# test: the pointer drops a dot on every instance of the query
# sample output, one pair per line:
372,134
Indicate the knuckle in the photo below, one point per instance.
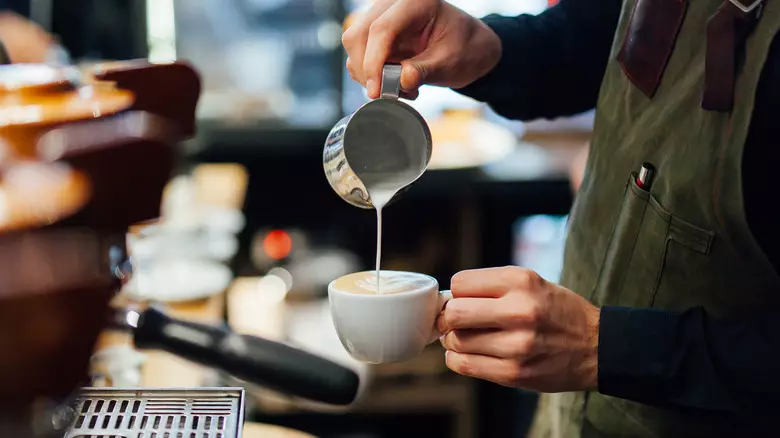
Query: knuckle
347,37
516,374
454,342
378,27
529,313
352,34
525,313
462,365
421,72
524,345
528,278
534,313
521,278
453,315
351,70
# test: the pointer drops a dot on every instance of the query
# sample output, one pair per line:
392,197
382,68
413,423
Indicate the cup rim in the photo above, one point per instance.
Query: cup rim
435,285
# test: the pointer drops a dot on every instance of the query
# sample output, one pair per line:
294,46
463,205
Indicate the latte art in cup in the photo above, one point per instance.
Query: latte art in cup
389,320
390,282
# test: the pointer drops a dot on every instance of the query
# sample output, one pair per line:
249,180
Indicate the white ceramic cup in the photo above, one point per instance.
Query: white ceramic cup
382,328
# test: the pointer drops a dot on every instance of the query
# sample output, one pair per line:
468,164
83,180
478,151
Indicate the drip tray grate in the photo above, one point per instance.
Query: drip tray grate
158,413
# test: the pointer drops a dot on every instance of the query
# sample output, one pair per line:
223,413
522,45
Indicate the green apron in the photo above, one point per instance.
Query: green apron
683,243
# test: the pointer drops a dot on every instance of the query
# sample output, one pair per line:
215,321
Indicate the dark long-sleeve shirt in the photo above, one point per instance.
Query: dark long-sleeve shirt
552,66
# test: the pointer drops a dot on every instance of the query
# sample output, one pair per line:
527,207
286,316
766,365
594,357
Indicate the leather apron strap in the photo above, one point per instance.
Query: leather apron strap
727,31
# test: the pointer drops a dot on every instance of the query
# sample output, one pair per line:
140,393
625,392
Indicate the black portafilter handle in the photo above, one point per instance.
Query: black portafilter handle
276,366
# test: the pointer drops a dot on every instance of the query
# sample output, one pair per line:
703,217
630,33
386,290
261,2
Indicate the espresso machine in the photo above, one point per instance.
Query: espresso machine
85,154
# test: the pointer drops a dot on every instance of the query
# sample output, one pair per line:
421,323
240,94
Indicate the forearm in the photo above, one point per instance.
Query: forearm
552,64
689,360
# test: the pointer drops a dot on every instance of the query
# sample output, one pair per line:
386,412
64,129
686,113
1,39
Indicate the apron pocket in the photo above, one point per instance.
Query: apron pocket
685,252
661,234
636,257
621,245
649,41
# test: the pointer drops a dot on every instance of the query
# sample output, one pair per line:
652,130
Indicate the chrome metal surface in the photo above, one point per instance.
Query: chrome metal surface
391,81
386,137
646,174
124,319
158,413
121,264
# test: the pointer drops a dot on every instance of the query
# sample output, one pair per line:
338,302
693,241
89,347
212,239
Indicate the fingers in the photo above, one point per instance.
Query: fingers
410,95
382,42
411,75
381,37
494,343
494,282
426,67
351,70
502,371
470,313
355,39
412,85
373,41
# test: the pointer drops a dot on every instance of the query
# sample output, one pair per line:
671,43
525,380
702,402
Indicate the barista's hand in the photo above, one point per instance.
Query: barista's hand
509,326
435,42
25,41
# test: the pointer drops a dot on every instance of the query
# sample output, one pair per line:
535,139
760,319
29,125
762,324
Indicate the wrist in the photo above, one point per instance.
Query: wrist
590,368
489,45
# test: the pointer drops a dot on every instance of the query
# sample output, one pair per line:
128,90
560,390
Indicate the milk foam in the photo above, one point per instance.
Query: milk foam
390,282
380,197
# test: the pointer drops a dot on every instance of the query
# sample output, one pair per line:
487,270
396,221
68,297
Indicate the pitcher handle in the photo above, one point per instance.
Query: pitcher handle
391,81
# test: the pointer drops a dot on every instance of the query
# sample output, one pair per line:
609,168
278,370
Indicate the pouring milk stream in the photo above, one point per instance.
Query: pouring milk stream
374,154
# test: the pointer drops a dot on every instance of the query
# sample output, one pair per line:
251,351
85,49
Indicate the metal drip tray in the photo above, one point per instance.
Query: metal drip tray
158,413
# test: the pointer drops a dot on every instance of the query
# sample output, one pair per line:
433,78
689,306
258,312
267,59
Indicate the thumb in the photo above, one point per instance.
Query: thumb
413,74
421,69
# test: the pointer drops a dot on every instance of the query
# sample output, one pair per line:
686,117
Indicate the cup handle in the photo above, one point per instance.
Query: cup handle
444,296
391,81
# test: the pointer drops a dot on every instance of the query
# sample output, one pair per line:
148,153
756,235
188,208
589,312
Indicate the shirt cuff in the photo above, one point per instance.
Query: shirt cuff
635,348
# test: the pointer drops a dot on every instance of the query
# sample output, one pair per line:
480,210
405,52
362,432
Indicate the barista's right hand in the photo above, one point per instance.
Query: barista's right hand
435,42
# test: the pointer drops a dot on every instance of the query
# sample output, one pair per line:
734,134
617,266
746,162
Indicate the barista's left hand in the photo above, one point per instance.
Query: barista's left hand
510,326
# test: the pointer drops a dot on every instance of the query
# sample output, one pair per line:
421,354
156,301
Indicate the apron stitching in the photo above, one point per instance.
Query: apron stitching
609,244
659,275
720,223
631,253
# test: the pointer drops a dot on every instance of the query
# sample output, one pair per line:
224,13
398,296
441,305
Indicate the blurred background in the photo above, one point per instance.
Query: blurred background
252,233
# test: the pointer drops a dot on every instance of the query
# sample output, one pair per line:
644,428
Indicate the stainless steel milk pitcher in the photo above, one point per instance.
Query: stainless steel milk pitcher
385,142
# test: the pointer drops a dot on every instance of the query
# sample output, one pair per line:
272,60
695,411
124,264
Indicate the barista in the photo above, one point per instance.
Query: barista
662,324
